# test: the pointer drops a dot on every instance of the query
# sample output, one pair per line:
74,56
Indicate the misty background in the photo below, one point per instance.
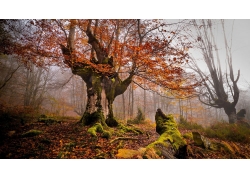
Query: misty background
57,92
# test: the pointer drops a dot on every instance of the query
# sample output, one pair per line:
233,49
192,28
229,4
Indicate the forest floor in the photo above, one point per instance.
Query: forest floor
70,140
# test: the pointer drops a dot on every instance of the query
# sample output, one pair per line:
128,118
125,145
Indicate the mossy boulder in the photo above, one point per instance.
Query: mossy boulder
200,140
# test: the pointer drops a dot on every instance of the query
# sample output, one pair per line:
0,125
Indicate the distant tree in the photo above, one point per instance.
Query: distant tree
220,90
8,67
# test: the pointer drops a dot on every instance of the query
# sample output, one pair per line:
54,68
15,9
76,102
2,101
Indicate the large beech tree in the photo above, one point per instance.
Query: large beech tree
99,51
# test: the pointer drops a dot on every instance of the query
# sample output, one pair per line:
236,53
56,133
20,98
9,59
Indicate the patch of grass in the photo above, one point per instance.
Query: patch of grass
190,125
229,132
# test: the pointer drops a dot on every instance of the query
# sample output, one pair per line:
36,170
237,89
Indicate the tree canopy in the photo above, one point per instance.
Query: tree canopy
150,50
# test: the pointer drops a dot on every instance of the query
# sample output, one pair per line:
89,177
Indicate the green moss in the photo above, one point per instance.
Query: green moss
201,141
105,61
106,134
173,136
129,129
166,123
228,132
31,133
95,117
97,127
170,137
48,120
83,72
188,135
111,121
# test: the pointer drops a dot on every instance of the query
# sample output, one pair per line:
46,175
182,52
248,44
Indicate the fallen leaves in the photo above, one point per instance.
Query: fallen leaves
70,140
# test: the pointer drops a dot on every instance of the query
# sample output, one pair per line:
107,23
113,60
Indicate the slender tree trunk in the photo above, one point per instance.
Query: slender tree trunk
145,102
123,106
190,106
132,102
129,103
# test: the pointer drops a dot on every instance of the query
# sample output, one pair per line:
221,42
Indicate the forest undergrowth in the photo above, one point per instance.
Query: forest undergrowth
68,139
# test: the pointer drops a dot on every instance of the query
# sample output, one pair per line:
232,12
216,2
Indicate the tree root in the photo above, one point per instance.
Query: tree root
97,127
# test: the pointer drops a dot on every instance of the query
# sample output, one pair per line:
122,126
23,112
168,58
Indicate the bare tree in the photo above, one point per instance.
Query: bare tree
8,67
220,89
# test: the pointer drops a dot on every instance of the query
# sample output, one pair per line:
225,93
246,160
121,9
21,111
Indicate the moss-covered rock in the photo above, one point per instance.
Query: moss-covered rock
200,140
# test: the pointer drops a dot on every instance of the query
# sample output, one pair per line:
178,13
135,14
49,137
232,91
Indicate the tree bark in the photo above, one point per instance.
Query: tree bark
230,110
101,92
102,81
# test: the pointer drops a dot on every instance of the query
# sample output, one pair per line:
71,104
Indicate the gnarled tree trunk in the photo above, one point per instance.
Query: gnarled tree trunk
103,82
215,92
101,92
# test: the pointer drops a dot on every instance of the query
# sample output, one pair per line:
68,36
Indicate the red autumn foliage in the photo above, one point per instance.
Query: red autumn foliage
145,48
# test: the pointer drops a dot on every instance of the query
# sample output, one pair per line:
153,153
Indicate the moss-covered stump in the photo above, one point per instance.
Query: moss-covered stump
170,144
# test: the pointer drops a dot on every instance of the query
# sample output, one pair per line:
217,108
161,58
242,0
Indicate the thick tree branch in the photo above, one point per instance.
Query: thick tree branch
100,51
